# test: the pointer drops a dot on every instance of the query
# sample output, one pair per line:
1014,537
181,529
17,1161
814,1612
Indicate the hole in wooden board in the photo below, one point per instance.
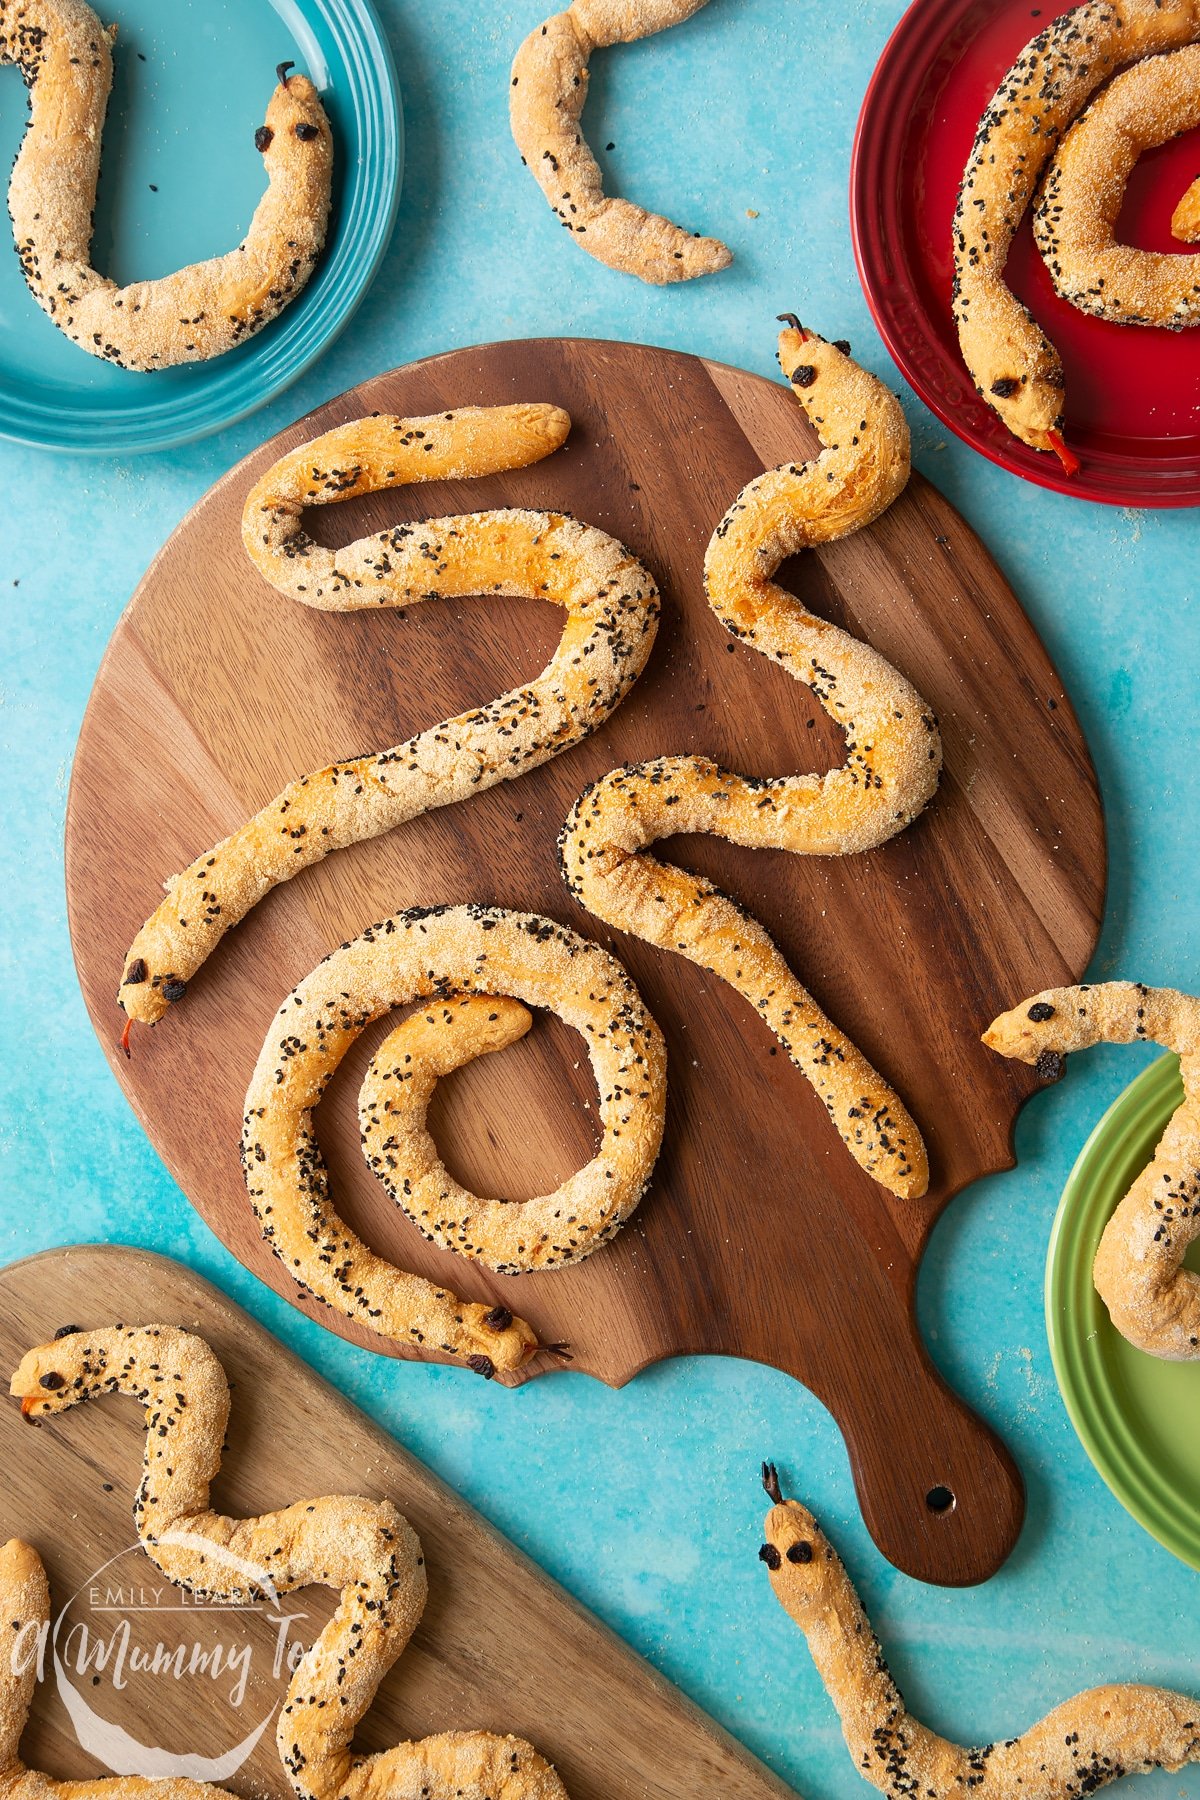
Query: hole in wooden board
941,1499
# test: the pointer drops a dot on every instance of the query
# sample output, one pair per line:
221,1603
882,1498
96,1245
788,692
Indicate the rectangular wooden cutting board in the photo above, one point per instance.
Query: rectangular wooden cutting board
501,1647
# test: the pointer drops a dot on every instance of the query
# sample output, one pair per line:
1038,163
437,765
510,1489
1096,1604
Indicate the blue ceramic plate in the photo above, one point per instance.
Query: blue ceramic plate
179,179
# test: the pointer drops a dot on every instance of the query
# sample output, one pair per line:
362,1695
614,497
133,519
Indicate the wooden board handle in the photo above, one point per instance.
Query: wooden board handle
940,1494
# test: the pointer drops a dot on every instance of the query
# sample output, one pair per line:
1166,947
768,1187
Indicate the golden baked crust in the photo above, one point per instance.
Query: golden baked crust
25,1611
1081,1746
364,1548
510,1236
1013,364
438,955
611,606
1185,220
893,755
200,311
547,91
1153,1300
1076,216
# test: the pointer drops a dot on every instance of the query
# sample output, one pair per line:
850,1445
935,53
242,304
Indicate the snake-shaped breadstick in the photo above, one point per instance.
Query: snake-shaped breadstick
1013,364
25,1625
364,1548
1154,1301
1076,216
893,754
437,956
1082,1745
200,311
611,606
549,85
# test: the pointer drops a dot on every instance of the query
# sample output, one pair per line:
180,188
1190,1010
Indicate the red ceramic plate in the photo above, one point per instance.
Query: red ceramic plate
1133,393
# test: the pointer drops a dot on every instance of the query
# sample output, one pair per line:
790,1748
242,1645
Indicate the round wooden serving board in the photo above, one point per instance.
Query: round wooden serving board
759,1237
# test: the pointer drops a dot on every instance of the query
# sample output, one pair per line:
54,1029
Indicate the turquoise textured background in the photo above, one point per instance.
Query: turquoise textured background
645,1502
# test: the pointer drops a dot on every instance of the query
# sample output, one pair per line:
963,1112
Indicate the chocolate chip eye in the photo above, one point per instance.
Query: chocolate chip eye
68,1331
842,344
174,989
1050,1065
804,376
800,1553
135,974
1006,387
770,1555
53,1380
1039,1012
482,1365
306,132
499,1319
263,138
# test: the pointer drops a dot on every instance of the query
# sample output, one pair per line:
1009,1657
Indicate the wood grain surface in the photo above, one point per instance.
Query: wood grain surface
760,1237
500,1647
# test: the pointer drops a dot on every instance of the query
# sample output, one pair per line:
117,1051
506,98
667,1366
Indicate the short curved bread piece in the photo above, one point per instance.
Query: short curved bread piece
547,91
1076,216
364,1548
1152,1299
1012,362
437,956
200,311
1185,220
611,607
893,754
1085,1743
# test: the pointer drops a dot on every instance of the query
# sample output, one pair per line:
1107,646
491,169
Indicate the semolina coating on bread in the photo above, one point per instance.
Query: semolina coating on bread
197,312
364,1549
547,90
1079,1747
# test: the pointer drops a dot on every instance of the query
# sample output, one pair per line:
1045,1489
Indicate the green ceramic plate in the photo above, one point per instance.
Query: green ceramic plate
179,179
1138,1417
